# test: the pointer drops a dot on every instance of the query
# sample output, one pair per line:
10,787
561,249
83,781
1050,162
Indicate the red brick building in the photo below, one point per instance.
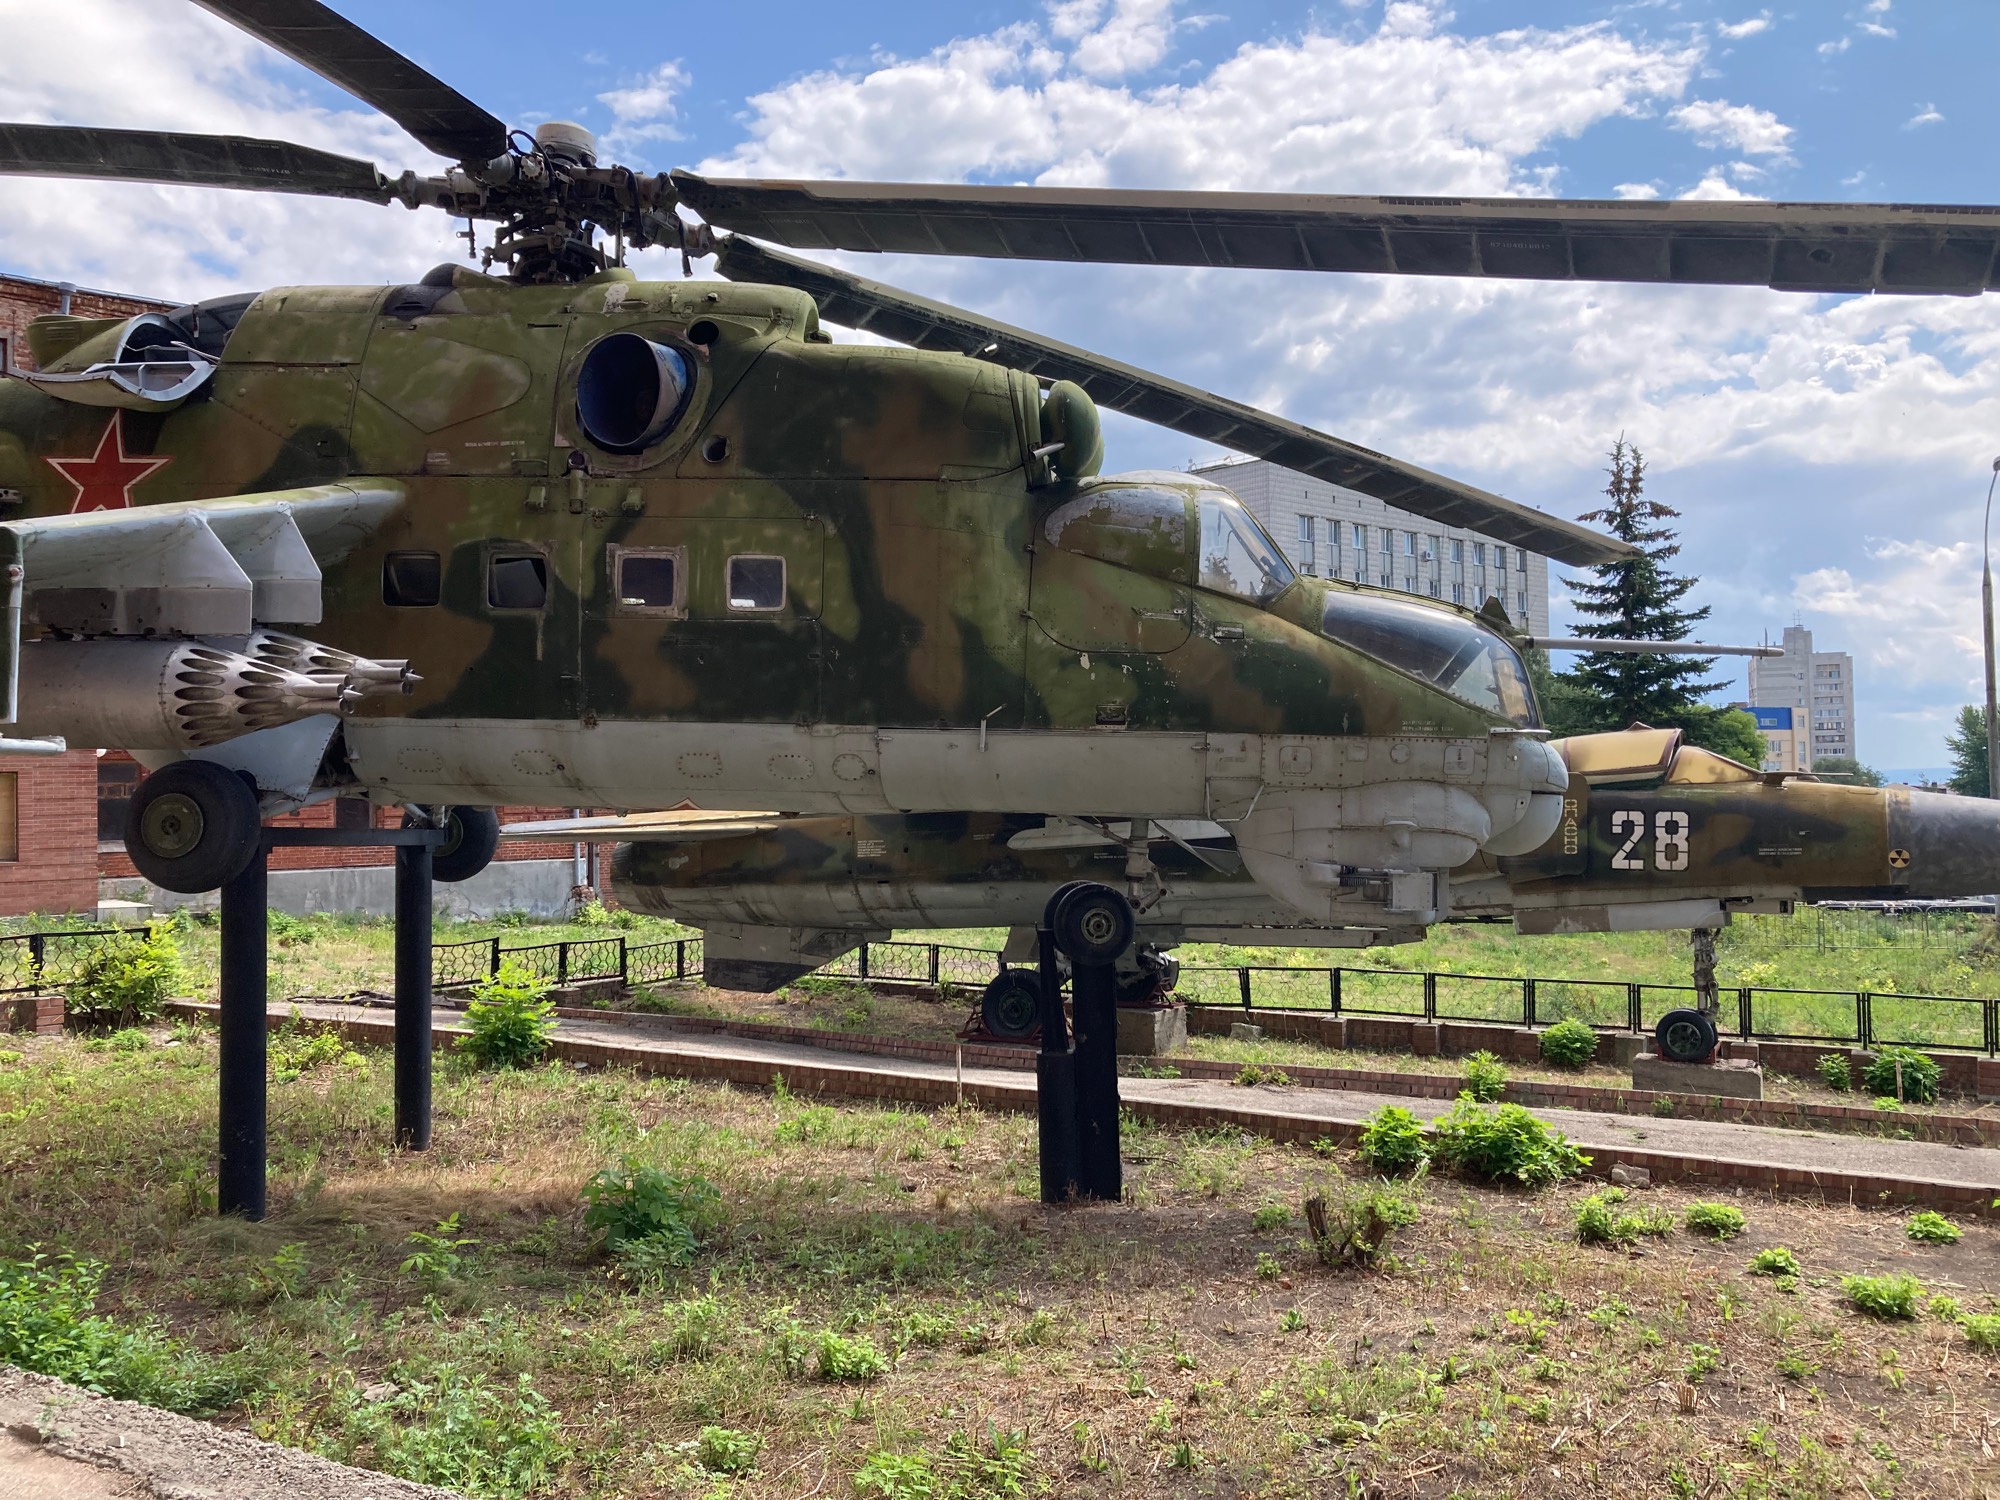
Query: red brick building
62,817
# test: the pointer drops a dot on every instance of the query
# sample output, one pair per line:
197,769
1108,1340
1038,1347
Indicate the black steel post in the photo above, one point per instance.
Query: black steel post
239,1187
1094,999
413,997
1055,1083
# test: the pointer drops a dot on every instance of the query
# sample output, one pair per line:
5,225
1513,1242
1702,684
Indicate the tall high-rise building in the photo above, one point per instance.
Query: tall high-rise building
1818,686
1332,532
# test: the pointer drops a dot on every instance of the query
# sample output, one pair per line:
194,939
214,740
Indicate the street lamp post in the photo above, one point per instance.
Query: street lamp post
1986,604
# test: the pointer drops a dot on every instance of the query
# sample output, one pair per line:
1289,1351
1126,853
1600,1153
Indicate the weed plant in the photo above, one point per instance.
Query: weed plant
1719,1221
127,979
1835,1072
1903,1073
1484,1079
1601,1219
1569,1043
509,1020
1392,1142
1503,1144
1890,1296
1350,1223
1932,1228
637,1204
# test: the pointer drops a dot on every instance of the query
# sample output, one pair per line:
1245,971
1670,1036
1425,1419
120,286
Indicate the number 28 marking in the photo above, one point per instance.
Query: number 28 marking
1670,839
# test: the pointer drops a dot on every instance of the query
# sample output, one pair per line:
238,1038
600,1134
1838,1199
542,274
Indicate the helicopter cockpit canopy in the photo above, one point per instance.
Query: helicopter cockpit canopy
1447,650
1237,555
1142,521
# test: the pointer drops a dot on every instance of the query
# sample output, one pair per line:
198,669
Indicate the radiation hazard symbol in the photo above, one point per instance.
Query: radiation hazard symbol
1899,859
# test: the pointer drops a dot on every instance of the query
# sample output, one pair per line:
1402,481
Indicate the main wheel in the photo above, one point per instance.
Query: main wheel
1093,924
1685,1036
471,838
1012,1005
192,826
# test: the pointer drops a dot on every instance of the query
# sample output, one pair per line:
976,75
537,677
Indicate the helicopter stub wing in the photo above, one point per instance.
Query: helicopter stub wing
856,302
197,568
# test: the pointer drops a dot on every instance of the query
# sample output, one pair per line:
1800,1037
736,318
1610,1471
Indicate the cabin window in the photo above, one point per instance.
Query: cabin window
517,581
1459,656
1134,526
117,780
412,580
756,583
649,581
1237,555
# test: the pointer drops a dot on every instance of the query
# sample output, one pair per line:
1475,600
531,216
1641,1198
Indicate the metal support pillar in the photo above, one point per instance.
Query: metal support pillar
1055,1083
239,1185
413,997
1094,990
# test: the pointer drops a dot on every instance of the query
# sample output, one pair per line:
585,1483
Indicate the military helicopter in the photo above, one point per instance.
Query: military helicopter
561,535
1655,835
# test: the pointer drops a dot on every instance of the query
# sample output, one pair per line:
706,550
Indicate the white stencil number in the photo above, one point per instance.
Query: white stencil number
1620,823
1670,839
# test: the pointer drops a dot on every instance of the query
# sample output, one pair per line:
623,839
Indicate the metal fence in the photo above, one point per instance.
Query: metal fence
51,960
1861,1018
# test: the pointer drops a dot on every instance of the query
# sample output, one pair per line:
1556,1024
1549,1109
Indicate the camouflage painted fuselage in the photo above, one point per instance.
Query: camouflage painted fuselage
928,648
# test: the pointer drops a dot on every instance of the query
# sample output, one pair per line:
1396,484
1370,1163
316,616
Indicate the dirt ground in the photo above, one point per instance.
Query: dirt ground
1185,1342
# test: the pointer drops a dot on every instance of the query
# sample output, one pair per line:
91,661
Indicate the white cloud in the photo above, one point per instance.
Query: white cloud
1637,190
644,110
189,241
1715,187
1926,115
1133,38
1835,47
1915,619
1740,29
1742,127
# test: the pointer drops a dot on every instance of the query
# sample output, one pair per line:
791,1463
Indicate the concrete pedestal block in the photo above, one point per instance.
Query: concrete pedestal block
1627,1046
1424,1038
1728,1080
1242,1031
1147,1032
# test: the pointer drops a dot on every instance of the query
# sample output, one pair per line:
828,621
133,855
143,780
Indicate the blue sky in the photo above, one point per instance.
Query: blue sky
1830,455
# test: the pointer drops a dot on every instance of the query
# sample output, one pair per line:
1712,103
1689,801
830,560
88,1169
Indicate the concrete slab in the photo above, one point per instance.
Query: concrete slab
1243,1031
1726,1080
1144,1031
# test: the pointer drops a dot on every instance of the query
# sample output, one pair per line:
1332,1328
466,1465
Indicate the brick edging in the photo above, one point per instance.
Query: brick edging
1969,1130
833,1080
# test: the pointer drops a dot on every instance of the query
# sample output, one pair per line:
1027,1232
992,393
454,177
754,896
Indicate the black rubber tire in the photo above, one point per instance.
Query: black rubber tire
1012,1005
472,838
1685,1036
1056,899
1094,924
192,826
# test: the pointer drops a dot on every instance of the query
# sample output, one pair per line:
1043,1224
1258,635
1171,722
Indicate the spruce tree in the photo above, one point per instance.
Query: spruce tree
1637,598
1967,744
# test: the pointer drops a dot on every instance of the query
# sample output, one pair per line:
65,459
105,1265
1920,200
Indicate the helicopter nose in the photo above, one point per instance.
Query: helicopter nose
1945,848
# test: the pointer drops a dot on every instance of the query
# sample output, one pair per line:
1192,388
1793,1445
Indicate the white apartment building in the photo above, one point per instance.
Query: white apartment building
1332,532
1818,686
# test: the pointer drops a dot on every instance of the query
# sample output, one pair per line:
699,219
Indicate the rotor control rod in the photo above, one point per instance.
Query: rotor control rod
1645,648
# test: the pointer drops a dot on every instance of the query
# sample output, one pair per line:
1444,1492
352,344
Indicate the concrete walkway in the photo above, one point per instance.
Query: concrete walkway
1760,1158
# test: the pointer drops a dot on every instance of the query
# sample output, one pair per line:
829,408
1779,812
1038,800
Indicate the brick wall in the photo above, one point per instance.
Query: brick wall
23,300
56,798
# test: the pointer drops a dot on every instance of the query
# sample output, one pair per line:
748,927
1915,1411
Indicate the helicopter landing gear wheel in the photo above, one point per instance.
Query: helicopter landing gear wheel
1685,1036
192,826
1093,924
472,836
1012,1005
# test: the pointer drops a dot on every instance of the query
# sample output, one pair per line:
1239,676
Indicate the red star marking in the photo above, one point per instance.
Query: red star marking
104,480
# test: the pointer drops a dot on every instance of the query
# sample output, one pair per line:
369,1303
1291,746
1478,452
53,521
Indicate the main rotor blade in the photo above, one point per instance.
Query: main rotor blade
371,70
229,161
1806,247
909,319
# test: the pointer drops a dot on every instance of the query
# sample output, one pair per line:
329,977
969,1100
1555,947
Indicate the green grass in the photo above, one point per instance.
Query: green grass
876,1304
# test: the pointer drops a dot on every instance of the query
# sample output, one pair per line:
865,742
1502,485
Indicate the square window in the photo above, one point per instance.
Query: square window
649,581
756,583
412,580
516,580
